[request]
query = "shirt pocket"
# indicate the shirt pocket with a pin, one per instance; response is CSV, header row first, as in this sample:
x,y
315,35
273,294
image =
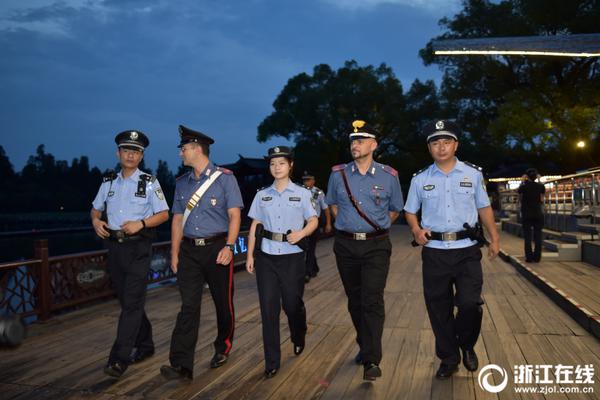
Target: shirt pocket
x,y
430,196
465,191
266,203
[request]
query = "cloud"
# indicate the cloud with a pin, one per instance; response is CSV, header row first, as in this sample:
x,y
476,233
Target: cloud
x,y
432,6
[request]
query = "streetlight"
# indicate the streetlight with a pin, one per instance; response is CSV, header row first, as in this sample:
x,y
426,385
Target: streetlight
x,y
581,144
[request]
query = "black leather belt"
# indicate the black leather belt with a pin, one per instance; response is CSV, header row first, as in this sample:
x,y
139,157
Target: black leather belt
x,y
120,236
277,237
204,241
363,236
449,236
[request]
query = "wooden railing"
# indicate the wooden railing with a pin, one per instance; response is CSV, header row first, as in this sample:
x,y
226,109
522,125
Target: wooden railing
x,y
44,285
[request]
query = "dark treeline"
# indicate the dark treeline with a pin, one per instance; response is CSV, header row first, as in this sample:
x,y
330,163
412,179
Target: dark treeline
x,y
47,185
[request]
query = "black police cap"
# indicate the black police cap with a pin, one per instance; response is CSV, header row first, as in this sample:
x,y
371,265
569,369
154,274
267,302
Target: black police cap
x,y
191,136
132,139
441,129
362,130
279,151
306,176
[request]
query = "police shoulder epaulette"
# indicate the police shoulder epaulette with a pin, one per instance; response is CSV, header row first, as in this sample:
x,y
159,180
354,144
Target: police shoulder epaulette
x,y
182,175
338,167
109,176
390,170
147,177
225,170
477,167
262,188
419,171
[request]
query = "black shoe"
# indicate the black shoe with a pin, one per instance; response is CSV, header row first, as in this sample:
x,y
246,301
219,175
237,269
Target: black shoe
x,y
218,360
470,360
372,372
177,372
115,369
298,349
269,373
358,358
445,371
306,278
139,356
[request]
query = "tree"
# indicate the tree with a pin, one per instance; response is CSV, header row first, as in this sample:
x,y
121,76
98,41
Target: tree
x,y
516,107
316,111
7,173
166,179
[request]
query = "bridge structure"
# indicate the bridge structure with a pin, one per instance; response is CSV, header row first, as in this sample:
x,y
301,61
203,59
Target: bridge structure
x,y
526,327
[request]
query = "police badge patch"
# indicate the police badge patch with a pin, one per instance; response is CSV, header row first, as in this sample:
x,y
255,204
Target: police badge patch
x,y
159,194
428,187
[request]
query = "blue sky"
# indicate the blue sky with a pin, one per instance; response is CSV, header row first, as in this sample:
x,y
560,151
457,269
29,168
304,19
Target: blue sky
x,y
73,73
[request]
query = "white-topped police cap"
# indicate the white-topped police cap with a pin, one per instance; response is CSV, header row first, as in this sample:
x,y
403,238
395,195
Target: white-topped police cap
x,y
306,175
132,139
361,130
441,129
279,151
188,135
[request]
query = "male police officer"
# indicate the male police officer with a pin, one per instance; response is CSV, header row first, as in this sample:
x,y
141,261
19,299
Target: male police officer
x,y
319,204
450,193
365,199
134,203
206,223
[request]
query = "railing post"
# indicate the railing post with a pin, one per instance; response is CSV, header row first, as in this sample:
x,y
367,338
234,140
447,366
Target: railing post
x,y
43,288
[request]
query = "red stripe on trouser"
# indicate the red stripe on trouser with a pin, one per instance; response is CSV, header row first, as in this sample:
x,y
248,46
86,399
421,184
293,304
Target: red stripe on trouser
x,y
230,300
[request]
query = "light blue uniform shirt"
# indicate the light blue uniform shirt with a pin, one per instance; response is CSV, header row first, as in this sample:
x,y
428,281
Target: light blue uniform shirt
x,y
377,193
210,216
281,212
124,203
317,199
447,201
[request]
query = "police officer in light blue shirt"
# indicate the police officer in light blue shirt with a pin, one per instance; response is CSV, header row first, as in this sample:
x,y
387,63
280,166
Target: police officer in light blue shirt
x,y
282,219
134,204
450,193
365,198
318,202
206,223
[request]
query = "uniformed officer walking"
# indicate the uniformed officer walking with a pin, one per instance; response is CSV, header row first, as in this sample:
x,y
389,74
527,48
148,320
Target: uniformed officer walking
x,y
450,194
531,196
206,224
282,218
134,204
365,198
318,202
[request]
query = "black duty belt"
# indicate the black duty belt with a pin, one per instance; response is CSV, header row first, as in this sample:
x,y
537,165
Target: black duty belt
x,y
120,236
448,236
277,237
204,241
363,236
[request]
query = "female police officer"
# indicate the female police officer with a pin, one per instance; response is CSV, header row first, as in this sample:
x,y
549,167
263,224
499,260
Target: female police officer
x,y
279,213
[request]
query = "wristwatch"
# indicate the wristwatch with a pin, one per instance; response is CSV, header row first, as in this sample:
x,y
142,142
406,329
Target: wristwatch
x,y
231,246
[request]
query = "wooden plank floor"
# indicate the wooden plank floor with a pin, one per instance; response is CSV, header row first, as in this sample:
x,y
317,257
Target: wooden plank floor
x,y
579,280
64,357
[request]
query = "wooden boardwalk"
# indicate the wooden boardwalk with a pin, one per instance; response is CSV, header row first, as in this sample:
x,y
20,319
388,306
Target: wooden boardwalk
x,y
64,357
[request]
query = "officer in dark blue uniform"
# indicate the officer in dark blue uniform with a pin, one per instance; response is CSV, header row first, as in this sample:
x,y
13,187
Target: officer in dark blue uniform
x,y
282,217
450,194
318,202
134,204
206,224
365,198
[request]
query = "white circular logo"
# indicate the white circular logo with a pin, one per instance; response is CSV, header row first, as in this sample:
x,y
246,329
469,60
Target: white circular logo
x,y
484,378
134,135
439,125
276,150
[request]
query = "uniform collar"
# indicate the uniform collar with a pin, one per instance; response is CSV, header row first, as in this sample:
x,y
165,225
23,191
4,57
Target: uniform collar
x,y
458,167
289,187
135,176
210,168
354,168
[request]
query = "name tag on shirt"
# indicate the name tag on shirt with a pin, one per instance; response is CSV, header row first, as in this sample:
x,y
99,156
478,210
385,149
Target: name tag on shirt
x,y
295,199
466,184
